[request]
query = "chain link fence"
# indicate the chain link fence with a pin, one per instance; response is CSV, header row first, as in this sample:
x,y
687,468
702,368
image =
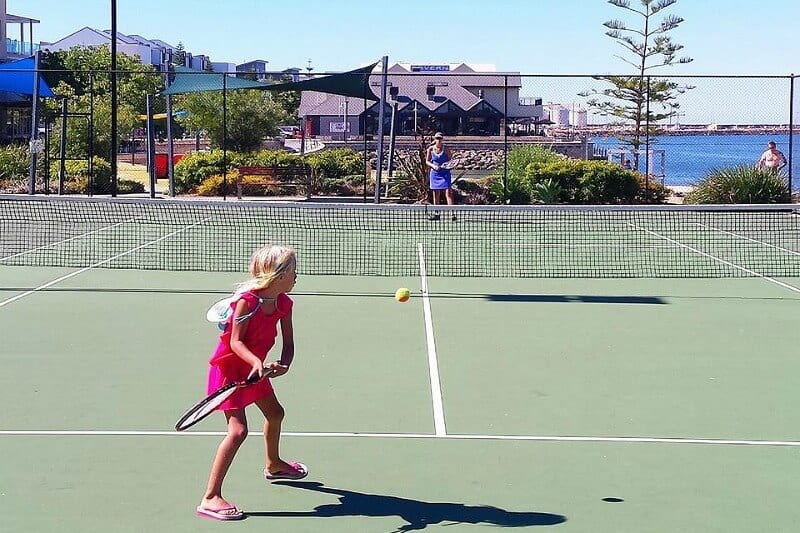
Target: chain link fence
x,y
703,123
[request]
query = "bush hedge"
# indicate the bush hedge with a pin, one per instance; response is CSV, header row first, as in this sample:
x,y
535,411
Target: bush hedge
x,y
741,184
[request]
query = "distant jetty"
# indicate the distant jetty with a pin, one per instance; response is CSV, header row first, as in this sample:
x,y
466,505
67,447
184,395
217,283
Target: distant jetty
x,y
609,130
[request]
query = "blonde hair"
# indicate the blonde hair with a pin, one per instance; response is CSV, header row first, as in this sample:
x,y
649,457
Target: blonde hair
x,y
267,264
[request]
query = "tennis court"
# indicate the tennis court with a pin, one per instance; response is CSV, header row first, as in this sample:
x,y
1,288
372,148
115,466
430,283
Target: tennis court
x,y
595,369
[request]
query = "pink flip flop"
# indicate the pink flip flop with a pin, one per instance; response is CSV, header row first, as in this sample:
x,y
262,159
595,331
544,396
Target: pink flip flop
x,y
225,513
294,472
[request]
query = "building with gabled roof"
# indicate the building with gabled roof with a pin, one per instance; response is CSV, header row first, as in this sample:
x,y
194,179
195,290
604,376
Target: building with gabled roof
x,y
150,51
456,99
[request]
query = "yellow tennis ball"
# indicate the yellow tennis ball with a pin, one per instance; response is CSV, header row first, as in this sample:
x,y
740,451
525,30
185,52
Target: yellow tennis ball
x,y
402,295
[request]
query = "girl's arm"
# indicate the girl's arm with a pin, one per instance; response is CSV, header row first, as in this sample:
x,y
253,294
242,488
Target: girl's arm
x,y
287,354
428,160
237,340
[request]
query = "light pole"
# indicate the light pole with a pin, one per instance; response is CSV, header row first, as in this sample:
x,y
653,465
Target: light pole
x,y
113,97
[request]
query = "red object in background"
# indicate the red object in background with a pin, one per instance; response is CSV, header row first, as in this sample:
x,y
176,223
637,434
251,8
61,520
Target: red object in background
x,y
309,128
161,164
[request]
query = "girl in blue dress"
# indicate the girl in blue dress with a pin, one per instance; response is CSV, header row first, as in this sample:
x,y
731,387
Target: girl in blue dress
x,y
435,157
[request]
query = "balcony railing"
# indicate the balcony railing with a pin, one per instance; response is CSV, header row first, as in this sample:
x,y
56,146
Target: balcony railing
x,y
20,48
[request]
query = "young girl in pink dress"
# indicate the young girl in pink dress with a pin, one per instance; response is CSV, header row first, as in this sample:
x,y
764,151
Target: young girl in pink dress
x,y
261,305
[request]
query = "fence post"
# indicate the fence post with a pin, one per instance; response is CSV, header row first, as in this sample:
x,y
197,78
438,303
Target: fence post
x,y
505,138
647,146
62,148
791,130
225,136
33,147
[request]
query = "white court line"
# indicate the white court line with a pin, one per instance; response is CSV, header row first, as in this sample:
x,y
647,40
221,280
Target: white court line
x,y
782,249
82,235
516,438
97,264
433,363
719,259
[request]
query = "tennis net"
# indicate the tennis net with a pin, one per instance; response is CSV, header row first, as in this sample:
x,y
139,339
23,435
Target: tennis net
x,y
392,240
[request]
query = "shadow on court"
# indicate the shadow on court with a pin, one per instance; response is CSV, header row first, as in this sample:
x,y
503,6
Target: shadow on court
x,y
507,297
417,514
541,298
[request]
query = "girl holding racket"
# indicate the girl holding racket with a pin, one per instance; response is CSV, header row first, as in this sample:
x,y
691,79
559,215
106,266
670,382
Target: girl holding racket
x,y
260,307
437,158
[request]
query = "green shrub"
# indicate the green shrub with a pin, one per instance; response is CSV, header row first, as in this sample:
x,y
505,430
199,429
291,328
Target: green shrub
x,y
129,187
14,161
587,182
517,190
654,193
195,167
741,184
212,185
270,158
547,192
77,175
521,156
603,182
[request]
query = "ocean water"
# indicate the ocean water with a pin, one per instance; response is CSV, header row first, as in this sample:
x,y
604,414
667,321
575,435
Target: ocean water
x,y
688,158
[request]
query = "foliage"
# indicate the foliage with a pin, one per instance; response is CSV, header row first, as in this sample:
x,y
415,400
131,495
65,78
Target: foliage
x,y
572,181
546,192
14,161
329,167
332,171
741,184
288,102
251,116
517,190
640,99
81,75
521,156
412,182
473,191
195,167
213,185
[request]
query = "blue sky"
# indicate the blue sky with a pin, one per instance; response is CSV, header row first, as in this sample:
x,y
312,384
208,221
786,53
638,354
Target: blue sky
x,y
724,37
529,36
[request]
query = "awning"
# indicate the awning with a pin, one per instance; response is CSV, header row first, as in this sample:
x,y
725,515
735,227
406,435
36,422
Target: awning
x,y
17,77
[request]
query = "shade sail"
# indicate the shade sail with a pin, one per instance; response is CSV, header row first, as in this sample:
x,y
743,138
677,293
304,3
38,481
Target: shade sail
x,y
17,77
189,80
354,83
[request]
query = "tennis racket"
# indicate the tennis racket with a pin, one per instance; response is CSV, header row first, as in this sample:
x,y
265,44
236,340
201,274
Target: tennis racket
x,y
221,310
209,404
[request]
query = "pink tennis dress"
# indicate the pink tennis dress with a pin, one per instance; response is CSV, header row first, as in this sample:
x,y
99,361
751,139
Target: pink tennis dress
x,y
227,367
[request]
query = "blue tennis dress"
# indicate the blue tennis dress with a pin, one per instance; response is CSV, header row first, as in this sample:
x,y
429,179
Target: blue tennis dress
x,y
440,179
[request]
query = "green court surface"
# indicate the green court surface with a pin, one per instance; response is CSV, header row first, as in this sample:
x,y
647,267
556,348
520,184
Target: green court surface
x,y
577,405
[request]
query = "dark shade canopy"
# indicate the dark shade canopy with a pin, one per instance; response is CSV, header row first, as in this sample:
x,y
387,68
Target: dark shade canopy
x,y
16,79
354,83
189,80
